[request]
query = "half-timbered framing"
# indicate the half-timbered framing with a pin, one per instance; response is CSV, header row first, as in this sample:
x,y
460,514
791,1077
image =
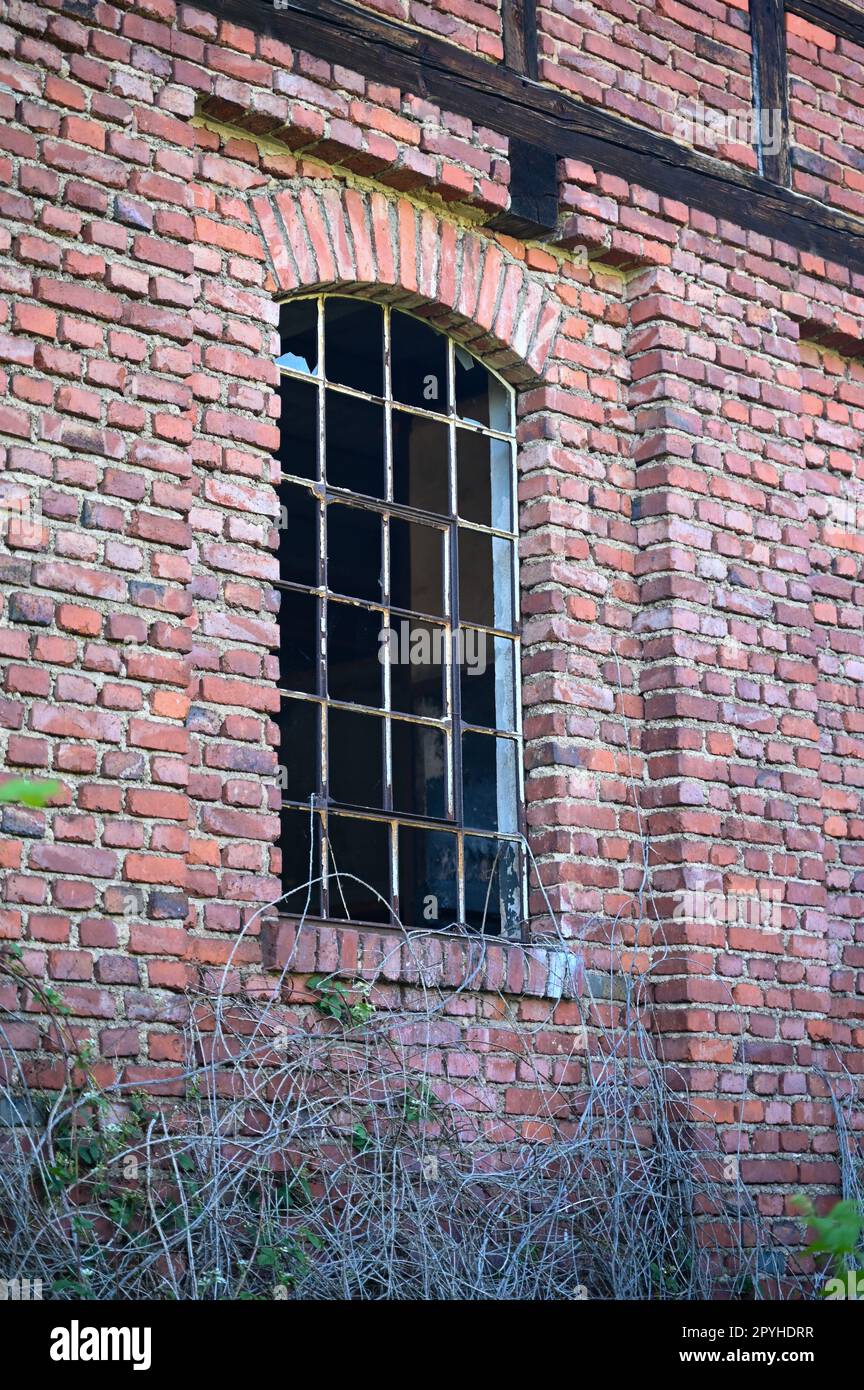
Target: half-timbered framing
x,y
537,118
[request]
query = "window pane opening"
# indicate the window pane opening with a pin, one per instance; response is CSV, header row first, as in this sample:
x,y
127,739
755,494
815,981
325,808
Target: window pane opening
x,y
400,723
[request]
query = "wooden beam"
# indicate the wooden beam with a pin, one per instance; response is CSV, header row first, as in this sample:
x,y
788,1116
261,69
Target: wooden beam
x,y
519,26
533,210
541,116
834,15
770,88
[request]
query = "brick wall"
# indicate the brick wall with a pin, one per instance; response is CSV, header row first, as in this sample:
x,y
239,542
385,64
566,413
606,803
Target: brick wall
x,y
826,107
690,421
655,63
474,25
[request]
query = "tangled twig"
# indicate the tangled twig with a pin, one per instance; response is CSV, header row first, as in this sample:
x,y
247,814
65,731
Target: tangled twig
x,y
338,1143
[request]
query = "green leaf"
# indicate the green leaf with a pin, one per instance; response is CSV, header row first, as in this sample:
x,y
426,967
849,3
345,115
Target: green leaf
x,y
836,1234
360,1138
22,792
72,1286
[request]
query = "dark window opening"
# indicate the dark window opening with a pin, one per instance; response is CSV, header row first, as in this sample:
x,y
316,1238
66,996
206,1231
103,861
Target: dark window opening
x,y
400,758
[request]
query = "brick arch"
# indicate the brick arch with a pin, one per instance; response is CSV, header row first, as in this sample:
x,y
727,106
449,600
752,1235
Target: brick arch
x,y
326,236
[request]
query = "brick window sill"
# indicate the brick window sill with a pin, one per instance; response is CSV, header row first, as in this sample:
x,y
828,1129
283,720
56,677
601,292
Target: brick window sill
x,y
445,960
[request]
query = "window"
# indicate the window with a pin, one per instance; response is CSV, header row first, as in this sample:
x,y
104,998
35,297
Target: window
x,y
400,737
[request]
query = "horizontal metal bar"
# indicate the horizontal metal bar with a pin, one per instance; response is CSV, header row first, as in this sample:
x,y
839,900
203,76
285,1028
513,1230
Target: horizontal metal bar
x,y
471,426
326,493
409,615
511,735
378,712
411,822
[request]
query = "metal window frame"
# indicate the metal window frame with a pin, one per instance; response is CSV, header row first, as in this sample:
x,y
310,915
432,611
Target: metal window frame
x,y
451,725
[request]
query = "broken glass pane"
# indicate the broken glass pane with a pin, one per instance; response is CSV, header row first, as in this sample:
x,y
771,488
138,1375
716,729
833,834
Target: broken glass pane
x,y
298,336
418,364
492,885
480,396
299,749
354,344
298,535
416,567
428,873
489,786
417,655
298,428
484,475
485,579
354,670
299,641
356,758
354,552
419,769
487,679
298,873
355,444
420,463
359,849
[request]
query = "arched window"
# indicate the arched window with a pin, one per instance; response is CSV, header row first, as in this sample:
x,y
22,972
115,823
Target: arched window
x,y
400,724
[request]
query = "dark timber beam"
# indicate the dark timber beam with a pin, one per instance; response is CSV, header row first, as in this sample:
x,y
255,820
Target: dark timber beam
x,y
519,24
533,210
834,15
770,88
540,116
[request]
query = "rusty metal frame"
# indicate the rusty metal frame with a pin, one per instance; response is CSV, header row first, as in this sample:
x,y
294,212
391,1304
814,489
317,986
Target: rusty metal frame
x,y
450,724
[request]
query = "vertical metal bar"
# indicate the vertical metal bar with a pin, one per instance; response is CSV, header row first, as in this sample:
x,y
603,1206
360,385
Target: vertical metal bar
x,y
388,407
386,559
386,619
453,614
386,585
324,765
447,676
395,906
522,857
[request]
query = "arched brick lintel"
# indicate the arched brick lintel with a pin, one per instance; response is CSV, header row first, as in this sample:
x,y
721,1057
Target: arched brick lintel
x,y
326,236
